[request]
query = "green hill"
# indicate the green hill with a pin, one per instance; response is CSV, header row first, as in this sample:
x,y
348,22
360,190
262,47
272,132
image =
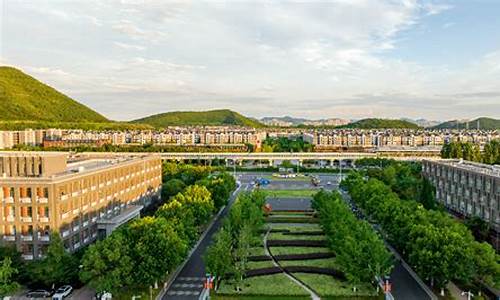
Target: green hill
x,y
381,124
211,117
23,98
484,124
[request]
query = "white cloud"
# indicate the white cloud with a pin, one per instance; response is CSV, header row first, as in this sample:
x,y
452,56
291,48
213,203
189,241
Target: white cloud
x,y
129,46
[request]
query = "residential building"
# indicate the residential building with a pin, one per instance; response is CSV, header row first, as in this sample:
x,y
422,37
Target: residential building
x,y
82,198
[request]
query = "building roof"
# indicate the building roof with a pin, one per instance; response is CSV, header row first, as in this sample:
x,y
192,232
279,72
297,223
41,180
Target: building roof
x,y
491,170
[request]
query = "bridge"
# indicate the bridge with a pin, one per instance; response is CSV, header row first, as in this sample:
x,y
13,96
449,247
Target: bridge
x,y
298,156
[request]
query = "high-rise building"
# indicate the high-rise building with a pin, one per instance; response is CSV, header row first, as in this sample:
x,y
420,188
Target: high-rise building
x,y
82,199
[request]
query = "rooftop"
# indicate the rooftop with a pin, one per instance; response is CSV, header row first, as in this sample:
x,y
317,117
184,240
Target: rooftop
x,y
491,170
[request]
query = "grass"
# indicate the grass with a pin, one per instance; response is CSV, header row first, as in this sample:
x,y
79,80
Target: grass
x,y
126,294
228,297
272,285
326,285
298,250
259,264
254,251
291,193
281,236
308,227
320,263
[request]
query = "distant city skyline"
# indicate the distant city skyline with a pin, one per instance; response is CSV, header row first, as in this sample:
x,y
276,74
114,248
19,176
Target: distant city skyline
x,y
350,59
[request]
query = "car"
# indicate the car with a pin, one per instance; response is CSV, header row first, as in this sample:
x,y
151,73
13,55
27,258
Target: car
x,y
329,183
62,292
38,294
102,296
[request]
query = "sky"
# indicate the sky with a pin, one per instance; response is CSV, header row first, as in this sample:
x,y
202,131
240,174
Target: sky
x,y
351,59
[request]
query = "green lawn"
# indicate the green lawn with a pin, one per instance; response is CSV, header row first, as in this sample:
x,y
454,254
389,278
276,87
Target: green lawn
x,y
273,285
260,264
254,251
326,285
297,250
291,193
321,263
305,227
281,236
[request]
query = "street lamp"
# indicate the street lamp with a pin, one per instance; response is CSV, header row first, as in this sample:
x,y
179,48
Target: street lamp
x,y
469,295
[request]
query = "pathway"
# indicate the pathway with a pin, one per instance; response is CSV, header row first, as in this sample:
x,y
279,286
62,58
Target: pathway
x,y
313,294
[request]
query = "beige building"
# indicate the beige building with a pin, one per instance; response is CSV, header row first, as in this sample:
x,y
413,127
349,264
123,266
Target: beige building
x,y
81,198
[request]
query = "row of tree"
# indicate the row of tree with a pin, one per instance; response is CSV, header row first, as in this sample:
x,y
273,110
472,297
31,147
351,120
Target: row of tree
x,y
283,144
470,151
404,178
228,255
438,247
361,253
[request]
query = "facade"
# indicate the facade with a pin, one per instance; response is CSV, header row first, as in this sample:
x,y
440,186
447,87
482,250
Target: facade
x,y
467,189
84,198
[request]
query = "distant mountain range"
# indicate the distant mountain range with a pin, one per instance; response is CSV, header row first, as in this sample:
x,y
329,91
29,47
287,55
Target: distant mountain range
x,y
373,123
288,121
422,122
482,123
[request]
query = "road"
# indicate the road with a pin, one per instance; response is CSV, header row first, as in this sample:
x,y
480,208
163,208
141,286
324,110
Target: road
x,y
189,282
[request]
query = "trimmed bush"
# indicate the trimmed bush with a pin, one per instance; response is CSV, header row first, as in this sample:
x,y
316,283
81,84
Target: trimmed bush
x,y
315,270
319,232
263,271
317,255
296,243
259,258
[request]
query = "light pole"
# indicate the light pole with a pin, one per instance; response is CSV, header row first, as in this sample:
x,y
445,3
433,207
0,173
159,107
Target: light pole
x,y
469,295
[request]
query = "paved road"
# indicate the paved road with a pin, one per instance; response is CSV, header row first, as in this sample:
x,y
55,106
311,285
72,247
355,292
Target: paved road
x,y
278,204
189,283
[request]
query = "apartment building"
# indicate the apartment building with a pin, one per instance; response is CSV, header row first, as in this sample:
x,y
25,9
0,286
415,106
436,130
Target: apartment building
x,y
467,188
81,198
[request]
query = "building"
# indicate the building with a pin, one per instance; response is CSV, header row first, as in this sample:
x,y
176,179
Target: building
x,y
81,198
467,189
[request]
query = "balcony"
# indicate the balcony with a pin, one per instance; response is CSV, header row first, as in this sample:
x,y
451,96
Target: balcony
x,y
85,224
27,219
27,238
25,200
94,219
77,245
64,216
44,238
9,200
93,204
94,235
43,219
74,194
43,200
84,191
86,240
64,197
10,218
9,238
85,207
76,227
65,233
27,256
76,211
93,188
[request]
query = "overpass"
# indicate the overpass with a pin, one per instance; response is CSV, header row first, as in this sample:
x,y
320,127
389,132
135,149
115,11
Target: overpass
x,y
298,156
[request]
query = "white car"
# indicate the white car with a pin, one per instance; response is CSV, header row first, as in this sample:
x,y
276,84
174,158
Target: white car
x,y
62,292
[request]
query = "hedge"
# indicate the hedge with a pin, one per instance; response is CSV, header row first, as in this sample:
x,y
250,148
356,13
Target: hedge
x,y
295,243
316,255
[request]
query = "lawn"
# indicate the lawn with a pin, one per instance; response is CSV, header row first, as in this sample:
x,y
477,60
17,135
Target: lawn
x,y
326,285
259,264
281,236
304,227
272,285
321,263
254,251
291,193
297,250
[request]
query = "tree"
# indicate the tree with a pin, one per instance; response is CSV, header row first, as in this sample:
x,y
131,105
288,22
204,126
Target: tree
x,y
57,268
198,199
107,265
241,253
155,248
427,192
172,188
487,269
7,273
217,260
178,213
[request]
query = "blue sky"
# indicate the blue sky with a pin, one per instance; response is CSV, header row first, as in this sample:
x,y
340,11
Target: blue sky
x,y
340,58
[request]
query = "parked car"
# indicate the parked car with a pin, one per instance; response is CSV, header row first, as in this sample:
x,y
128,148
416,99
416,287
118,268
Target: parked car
x,y
103,296
62,292
38,294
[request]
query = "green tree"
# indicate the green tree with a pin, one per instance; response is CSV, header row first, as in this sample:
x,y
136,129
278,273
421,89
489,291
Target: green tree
x,y
172,188
57,268
217,260
155,248
241,253
487,268
7,273
178,213
198,199
107,265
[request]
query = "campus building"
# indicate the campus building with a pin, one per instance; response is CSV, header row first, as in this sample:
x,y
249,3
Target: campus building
x,y
467,189
82,198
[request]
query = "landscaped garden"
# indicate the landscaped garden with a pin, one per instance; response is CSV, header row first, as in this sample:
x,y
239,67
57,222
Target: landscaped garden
x,y
289,259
